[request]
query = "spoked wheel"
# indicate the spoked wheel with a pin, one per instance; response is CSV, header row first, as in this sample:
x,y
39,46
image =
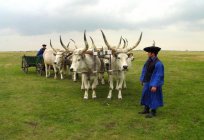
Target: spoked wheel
x,y
24,66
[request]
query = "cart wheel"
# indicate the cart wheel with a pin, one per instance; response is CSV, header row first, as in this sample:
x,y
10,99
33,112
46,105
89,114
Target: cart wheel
x,y
24,66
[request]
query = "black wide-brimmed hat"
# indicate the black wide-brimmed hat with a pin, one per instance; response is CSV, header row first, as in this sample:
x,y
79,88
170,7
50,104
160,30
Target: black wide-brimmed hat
x,y
152,48
44,45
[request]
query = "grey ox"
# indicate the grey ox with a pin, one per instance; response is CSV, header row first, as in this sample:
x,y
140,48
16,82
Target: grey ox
x,y
119,64
84,62
49,59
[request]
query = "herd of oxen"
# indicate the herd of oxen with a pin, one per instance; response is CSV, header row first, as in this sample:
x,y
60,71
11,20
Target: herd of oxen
x,y
92,63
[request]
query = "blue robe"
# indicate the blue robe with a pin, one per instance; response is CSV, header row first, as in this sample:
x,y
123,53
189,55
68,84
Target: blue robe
x,y
153,99
40,52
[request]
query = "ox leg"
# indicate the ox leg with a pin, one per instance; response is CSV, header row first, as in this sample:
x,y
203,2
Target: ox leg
x,y
86,85
82,82
46,68
97,82
61,73
119,89
119,94
74,76
94,84
55,71
111,86
49,67
102,79
120,86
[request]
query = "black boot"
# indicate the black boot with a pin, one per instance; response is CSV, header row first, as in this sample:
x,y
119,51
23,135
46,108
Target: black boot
x,y
145,111
151,114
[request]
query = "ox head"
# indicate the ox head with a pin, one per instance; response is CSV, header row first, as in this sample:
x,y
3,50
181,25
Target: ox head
x,y
78,56
122,61
121,55
59,55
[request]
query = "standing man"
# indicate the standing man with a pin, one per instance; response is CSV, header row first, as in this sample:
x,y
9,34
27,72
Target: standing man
x,y
41,51
152,79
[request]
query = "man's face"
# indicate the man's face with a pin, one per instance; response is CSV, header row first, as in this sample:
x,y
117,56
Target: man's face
x,y
150,54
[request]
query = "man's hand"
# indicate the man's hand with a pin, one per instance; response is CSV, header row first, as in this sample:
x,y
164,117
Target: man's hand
x,y
141,83
153,89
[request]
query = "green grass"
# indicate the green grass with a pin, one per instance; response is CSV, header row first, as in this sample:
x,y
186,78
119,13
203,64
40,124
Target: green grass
x,y
35,108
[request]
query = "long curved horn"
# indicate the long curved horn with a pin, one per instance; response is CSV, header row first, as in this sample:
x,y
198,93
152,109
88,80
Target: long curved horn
x,y
63,44
74,43
52,47
105,40
126,42
119,43
93,44
86,43
68,45
138,42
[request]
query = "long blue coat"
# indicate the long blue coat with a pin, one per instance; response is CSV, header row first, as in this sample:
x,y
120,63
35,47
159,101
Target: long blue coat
x,y
40,52
153,99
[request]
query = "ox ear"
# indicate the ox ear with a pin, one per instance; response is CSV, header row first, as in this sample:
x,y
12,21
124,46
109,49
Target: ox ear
x,y
130,55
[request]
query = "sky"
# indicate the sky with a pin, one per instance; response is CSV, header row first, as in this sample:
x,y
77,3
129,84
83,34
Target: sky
x,y
174,24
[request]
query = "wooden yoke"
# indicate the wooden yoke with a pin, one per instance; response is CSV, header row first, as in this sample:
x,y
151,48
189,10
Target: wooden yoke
x,y
95,53
109,52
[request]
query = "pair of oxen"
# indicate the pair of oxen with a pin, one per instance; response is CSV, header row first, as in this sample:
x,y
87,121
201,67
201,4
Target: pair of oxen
x,y
91,66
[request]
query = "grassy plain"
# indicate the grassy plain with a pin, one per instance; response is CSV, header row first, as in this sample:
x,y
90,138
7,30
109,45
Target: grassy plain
x,y
35,108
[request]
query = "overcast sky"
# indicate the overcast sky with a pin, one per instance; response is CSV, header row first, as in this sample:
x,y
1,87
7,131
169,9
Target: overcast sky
x,y
173,24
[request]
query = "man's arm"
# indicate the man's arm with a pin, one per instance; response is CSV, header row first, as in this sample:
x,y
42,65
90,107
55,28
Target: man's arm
x,y
157,77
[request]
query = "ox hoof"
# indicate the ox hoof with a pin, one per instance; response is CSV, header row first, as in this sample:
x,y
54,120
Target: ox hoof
x,y
119,98
109,97
85,98
93,97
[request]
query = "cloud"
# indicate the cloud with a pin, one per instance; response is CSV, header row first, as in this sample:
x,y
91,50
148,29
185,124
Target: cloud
x,y
83,2
43,17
